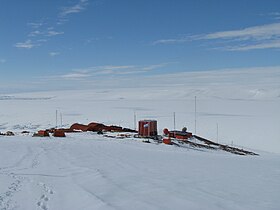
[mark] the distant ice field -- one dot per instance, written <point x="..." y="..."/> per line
<point x="88" y="171"/>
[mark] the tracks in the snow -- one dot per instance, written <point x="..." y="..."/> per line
<point x="6" y="202"/>
<point x="6" y="198"/>
<point x="47" y="192"/>
<point x="29" y="161"/>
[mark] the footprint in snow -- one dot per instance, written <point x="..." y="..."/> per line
<point x="42" y="203"/>
<point x="44" y="197"/>
<point x="6" y="198"/>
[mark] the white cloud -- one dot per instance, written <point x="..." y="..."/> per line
<point x="250" y="38"/>
<point x="62" y="21"/>
<point x="28" y="44"/>
<point x="118" y="69"/>
<point x="275" y="15"/>
<point x="75" y="76"/>
<point x="35" y="33"/>
<point x="52" y="54"/>
<point x="253" y="78"/>
<point x="171" y="41"/>
<point x="266" y="45"/>
<point x="54" y="33"/>
<point x="36" y="25"/>
<point x="42" y="29"/>
<point x="77" y="8"/>
<point x="42" y="40"/>
<point x="155" y="66"/>
<point x="134" y="68"/>
<point x="50" y="32"/>
<point x="263" y="32"/>
<point x="107" y="70"/>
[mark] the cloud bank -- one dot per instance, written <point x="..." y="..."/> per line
<point x="250" y="38"/>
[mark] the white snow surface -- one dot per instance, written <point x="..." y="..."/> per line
<point x="88" y="171"/>
<point x="85" y="171"/>
<point x="247" y="117"/>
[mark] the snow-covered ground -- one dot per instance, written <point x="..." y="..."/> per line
<point x="85" y="171"/>
<point x="88" y="171"/>
<point x="249" y="118"/>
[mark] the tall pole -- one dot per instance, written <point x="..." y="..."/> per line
<point x="134" y="120"/>
<point x="174" y="120"/>
<point x="217" y="133"/>
<point x="55" y="118"/>
<point x="60" y="119"/>
<point x="149" y="129"/>
<point x="195" y="114"/>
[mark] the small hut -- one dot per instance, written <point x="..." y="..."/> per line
<point x="59" y="133"/>
<point x="41" y="133"/>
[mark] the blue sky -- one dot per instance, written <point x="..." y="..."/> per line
<point x="70" y="42"/>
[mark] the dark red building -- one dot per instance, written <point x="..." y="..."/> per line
<point x="59" y="133"/>
<point x="147" y="128"/>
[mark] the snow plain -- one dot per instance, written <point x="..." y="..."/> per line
<point x="88" y="171"/>
<point x="85" y="171"/>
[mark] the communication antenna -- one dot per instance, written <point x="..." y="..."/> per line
<point x="174" y="120"/>
<point x="55" y="118"/>
<point x="217" y="133"/>
<point x="134" y="120"/>
<point x="195" y="114"/>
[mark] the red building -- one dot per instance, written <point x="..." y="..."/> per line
<point x="43" y="133"/>
<point x="147" y="128"/>
<point x="59" y="133"/>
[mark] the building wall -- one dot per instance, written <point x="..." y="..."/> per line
<point x="147" y="128"/>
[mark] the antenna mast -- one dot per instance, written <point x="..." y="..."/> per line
<point x="55" y="118"/>
<point x="134" y="120"/>
<point x="217" y="133"/>
<point x="174" y="120"/>
<point x="195" y="114"/>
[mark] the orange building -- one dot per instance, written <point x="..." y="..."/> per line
<point x="147" y="128"/>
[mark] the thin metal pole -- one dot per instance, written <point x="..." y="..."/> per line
<point x="195" y="114"/>
<point x="174" y="120"/>
<point x="217" y="133"/>
<point x="134" y="120"/>
<point x="149" y="129"/>
<point x="60" y="119"/>
<point x="55" y="118"/>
